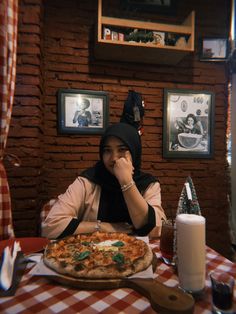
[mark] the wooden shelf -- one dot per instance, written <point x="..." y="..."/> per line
<point x="106" y="49"/>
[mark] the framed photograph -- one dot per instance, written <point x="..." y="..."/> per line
<point x="159" y="6"/>
<point x="214" y="49"/>
<point x="82" y="111"/>
<point x="188" y="124"/>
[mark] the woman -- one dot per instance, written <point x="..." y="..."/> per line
<point x="112" y="196"/>
<point x="192" y="125"/>
<point x="189" y="125"/>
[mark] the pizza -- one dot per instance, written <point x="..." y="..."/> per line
<point x="98" y="255"/>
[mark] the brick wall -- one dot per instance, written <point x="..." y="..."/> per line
<point x="56" y="51"/>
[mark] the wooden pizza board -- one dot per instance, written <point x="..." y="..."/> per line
<point x="163" y="299"/>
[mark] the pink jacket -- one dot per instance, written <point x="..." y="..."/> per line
<point x="81" y="201"/>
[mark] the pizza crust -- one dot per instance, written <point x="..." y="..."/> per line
<point x="99" y="263"/>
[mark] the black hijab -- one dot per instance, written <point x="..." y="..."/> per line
<point x="112" y="205"/>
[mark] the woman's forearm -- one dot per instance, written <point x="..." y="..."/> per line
<point x="137" y="206"/>
<point x="92" y="226"/>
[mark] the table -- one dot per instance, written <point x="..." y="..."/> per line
<point x="39" y="295"/>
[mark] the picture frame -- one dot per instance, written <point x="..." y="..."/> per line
<point x="188" y="125"/>
<point x="82" y="111"/>
<point x="214" y="49"/>
<point x="167" y="7"/>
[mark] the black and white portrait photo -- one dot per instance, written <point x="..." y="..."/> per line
<point x="82" y="111"/>
<point x="188" y="123"/>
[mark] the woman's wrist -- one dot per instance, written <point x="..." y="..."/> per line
<point x="98" y="225"/>
<point x="125" y="180"/>
<point x="126" y="187"/>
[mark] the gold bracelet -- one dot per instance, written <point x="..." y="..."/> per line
<point x="125" y="187"/>
<point x="98" y="225"/>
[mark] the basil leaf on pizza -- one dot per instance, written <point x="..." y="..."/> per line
<point x="119" y="258"/>
<point x="81" y="256"/>
<point x="118" y="243"/>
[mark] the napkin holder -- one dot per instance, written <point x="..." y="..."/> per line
<point x="18" y="271"/>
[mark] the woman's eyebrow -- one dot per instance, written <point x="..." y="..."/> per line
<point x="119" y="146"/>
<point x="123" y="146"/>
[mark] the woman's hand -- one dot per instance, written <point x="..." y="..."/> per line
<point x="123" y="169"/>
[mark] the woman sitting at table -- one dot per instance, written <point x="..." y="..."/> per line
<point x="112" y="196"/>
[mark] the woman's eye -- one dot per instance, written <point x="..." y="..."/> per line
<point x="106" y="151"/>
<point x="123" y="150"/>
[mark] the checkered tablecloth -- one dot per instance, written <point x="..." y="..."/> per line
<point x="39" y="295"/>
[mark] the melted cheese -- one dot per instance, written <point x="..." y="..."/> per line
<point x="106" y="245"/>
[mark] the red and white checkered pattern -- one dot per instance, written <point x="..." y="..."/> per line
<point x="8" y="43"/>
<point x="39" y="295"/>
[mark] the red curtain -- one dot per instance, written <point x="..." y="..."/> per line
<point x="8" y="44"/>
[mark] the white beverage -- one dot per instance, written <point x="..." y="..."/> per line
<point x="191" y="252"/>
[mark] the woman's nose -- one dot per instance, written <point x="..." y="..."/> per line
<point x="115" y="156"/>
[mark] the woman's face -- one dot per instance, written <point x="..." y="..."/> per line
<point x="114" y="149"/>
<point x="82" y="106"/>
<point x="190" y="121"/>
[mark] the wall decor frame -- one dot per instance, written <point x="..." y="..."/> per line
<point x="214" y="49"/>
<point x="161" y="7"/>
<point x="188" y="125"/>
<point x="82" y="111"/>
